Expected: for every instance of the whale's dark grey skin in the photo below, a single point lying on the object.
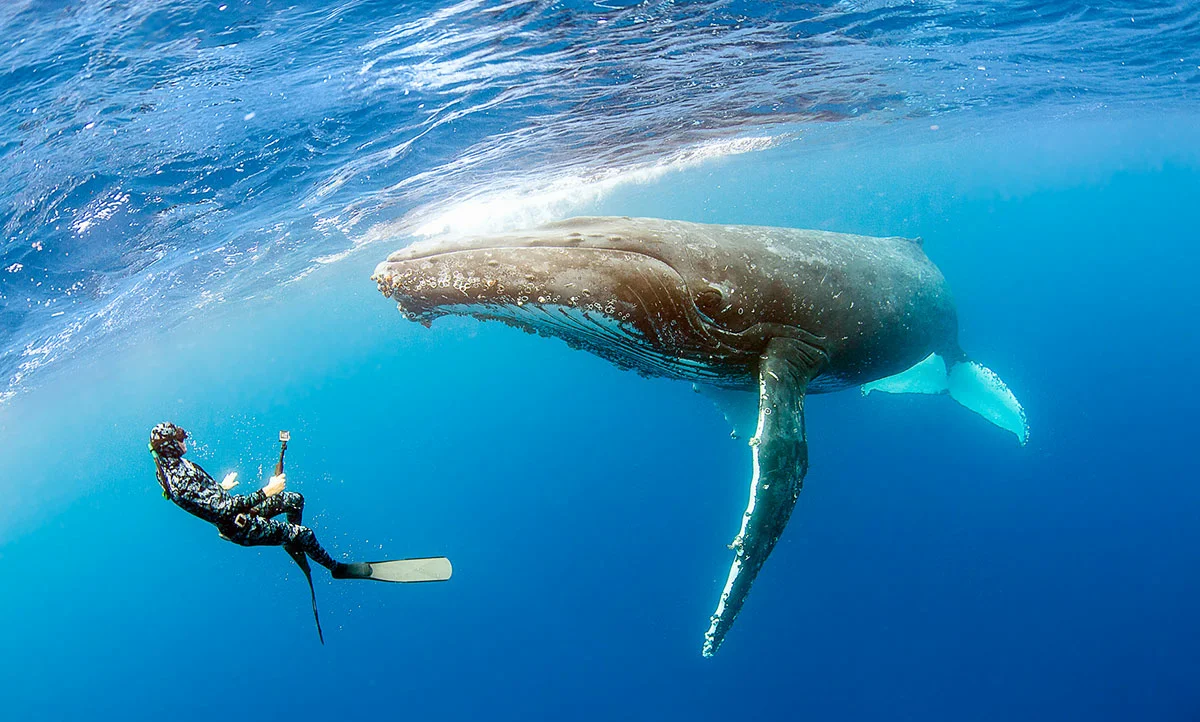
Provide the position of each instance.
(782, 312)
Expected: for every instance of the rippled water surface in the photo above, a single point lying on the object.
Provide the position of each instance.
(164, 156)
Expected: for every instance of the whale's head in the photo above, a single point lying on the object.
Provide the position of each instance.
(612, 286)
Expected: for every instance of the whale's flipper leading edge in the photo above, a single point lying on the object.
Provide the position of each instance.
(780, 452)
(970, 383)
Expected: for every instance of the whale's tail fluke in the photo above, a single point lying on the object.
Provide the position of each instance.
(968, 382)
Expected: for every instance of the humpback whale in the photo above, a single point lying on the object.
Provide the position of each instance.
(778, 312)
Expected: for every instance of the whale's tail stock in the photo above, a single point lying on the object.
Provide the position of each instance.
(968, 382)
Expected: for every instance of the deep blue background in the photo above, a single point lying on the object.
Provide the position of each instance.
(933, 570)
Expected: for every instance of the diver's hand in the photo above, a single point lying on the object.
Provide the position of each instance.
(276, 485)
(230, 481)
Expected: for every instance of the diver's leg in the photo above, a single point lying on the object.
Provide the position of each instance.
(260, 532)
(272, 507)
(294, 506)
(285, 502)
(303, 538)
(292, 537)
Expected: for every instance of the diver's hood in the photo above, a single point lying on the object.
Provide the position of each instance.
(166, 440)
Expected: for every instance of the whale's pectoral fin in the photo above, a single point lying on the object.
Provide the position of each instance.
(968, 382)
(780, 463)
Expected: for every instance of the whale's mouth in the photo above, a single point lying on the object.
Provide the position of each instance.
(630, 308)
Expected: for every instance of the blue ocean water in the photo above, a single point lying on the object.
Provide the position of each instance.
(195, 196)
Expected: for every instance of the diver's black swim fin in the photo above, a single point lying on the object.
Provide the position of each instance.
(355, 570)
(427, 569)
(302, 561)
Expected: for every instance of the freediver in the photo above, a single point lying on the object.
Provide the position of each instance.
(247, 520)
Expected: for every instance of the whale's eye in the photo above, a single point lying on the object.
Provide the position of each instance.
(709, 301)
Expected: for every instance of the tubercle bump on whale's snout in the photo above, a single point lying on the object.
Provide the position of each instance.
(383, 279)
(408, 306)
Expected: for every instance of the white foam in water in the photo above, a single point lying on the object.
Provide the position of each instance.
(553, 198)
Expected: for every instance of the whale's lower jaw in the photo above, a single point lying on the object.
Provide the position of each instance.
(619, 342)
(629, 308)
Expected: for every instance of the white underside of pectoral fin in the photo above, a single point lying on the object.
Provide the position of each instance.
(927, 377)
(780, 458)
(978, 388)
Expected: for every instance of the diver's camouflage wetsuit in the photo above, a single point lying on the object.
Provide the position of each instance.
(245, 520)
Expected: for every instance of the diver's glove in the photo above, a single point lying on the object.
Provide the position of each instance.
(275, 485)
(229, 481)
